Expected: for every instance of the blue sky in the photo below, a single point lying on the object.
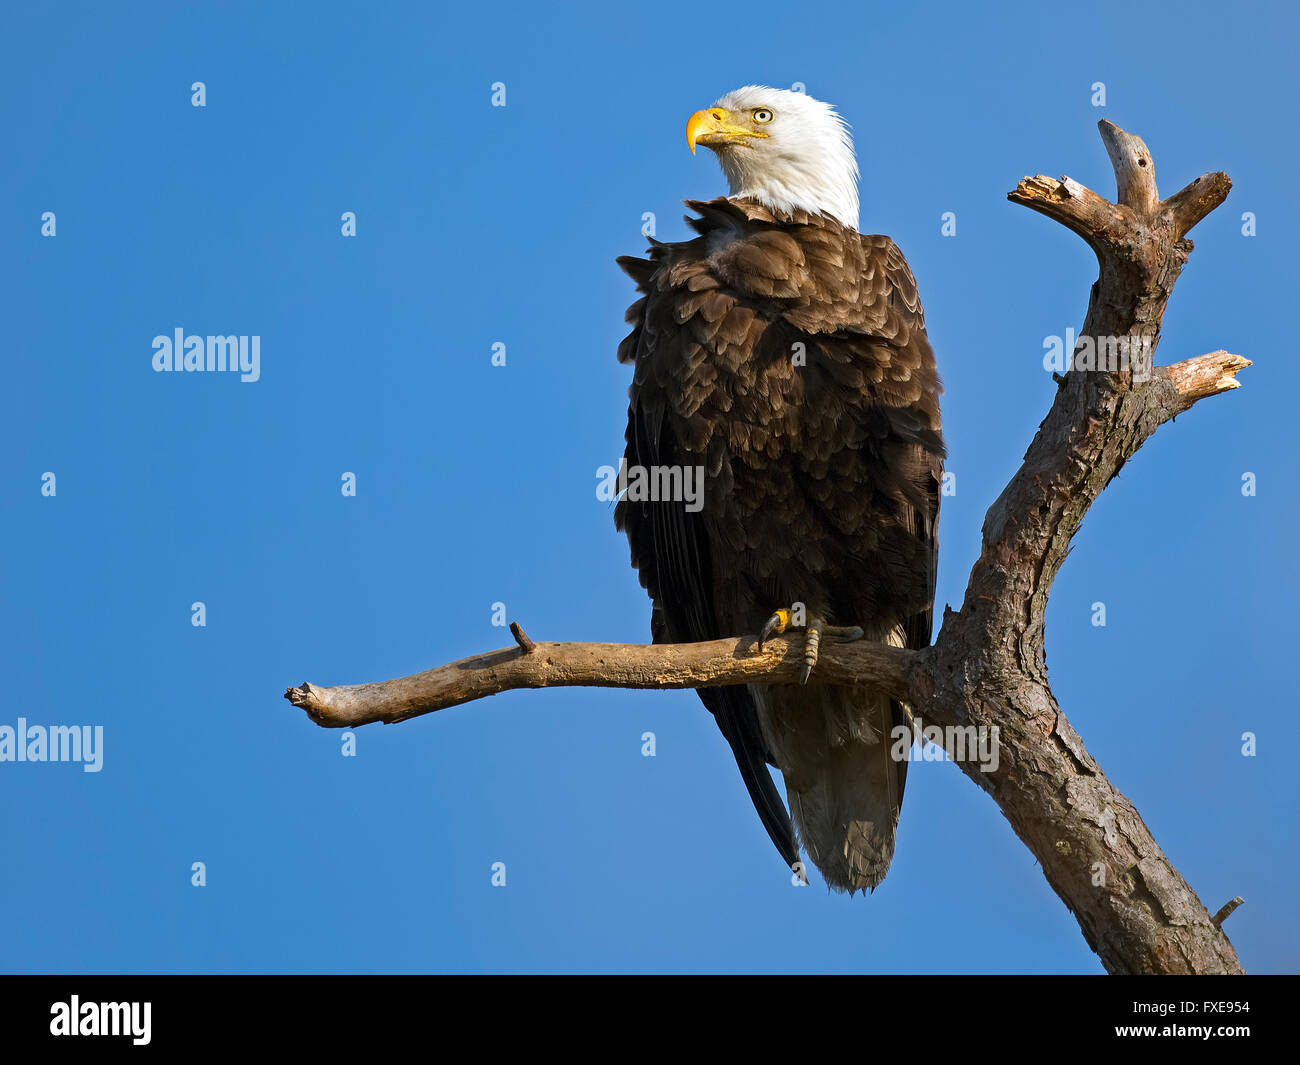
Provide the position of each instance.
(476, 484)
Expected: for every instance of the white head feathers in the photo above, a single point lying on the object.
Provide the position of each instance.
(784, 149)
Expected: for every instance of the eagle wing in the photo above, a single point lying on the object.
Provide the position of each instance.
(670, 551)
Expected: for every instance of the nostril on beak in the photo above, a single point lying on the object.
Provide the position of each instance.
(717, 114)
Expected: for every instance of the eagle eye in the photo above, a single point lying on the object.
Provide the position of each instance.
(762, 116)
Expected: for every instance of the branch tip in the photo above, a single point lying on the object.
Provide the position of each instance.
(1194, 201)
(1135, 173)
(1226, 911)
(521, 638)
(1206, 375)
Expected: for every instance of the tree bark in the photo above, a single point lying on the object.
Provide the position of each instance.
(987, 667)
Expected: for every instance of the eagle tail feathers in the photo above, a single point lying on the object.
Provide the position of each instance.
(845, 794)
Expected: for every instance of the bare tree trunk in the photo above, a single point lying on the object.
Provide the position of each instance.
(987, 667)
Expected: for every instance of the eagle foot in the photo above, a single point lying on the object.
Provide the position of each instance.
(814, 629)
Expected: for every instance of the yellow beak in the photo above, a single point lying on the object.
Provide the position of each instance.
(715, 126)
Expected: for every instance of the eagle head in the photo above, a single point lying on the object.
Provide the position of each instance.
(782, 148)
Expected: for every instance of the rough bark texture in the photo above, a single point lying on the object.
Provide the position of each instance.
(987, 666)
(990, 666)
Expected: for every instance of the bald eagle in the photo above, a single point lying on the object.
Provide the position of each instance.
(784, 355)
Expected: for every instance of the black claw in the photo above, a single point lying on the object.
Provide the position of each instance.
(805, 673)
(769, 627)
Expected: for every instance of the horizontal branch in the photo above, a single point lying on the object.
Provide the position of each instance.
(716, 663)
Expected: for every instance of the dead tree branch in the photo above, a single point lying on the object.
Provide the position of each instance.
(613, 665)
(987, 666)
